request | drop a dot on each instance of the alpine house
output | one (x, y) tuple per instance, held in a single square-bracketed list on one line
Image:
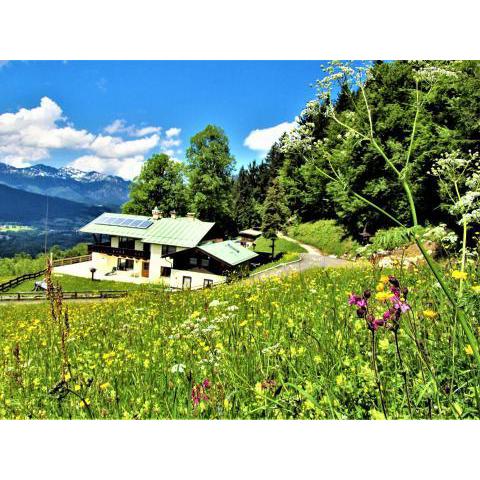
[(182, 252)]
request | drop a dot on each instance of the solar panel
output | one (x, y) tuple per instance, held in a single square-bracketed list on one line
[(122, 221)]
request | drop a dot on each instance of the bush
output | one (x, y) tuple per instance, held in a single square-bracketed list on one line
[(326, 235), (398, 237)]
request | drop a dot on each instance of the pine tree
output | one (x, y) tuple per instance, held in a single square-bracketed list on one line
[(275, 212)]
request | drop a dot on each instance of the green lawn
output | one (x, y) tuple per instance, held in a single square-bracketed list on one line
[(78, 284), (281, 246)]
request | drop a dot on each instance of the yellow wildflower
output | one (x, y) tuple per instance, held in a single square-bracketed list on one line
[(380, 287), (104, 386), (469, 350), (317, 359), (76, 388), (429, 313), (383, 344), (476, 288), (458, 275), (383, 296), (340, 379), (384, 278)]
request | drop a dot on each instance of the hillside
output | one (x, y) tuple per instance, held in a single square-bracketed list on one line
[(29, 208), (289, 347), (86, 187)]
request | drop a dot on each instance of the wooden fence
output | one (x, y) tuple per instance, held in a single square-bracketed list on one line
[(29, 276), (22, 278), (87, 295)]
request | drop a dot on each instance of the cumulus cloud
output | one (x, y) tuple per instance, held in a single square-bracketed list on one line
[(173, 132), (127, 168), (30, 135), (262, 139), (120, 126)]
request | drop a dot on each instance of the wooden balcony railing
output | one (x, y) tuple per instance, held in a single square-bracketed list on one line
[(118, 252)]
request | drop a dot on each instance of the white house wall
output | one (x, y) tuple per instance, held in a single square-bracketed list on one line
[(156, 261), (176, 278)]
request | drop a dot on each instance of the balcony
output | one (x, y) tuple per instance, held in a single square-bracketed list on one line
[(118, 252)]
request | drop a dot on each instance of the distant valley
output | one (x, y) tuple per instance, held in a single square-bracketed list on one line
[(73, 197)]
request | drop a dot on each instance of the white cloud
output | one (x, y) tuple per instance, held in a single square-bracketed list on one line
[(115, 127), (173, 132), (120, 126), (262, 139), (112, 147), (30, 135), (128, 167)]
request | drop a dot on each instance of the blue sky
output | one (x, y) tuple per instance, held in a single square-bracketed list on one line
[(110, 116)]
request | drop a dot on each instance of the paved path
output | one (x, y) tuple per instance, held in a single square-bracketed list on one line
[(313, 258)]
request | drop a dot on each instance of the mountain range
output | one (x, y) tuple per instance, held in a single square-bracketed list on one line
[(29, 208), (91, 188)]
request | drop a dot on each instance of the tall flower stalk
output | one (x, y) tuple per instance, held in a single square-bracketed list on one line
[(342, 72)]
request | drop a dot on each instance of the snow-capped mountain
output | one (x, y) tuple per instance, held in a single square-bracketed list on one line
[(92, 188)]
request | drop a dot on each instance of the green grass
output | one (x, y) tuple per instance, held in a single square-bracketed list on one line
[(326, 235), (70, 283), (287, 347), (281, 246)]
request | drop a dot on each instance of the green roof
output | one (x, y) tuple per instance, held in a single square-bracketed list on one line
[(116, 230), (228, 251), (180, 232)]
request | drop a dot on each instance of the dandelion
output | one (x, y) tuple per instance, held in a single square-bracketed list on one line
[(104, 386), (476, 288), (430, 314), (469, 350), (458, 275)]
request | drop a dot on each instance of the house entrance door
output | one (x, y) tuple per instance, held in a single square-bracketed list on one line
[(145, 269), (187, 283)]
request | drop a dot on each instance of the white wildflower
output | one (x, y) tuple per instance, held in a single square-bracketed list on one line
[(178, 368)]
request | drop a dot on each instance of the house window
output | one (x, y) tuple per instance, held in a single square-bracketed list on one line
[(165, 271), (146, 248), (168, 249), (193, 261), (204, 262), (124, 264), (207, 283), (125, 242), (187, 283)]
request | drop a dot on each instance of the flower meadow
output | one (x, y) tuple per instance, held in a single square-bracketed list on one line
[(325, 344)]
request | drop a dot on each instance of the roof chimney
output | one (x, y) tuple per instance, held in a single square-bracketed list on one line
[(156, 214), (191, 215), (173, 214)]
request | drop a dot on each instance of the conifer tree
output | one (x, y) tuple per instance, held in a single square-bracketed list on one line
[(275, 212)]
